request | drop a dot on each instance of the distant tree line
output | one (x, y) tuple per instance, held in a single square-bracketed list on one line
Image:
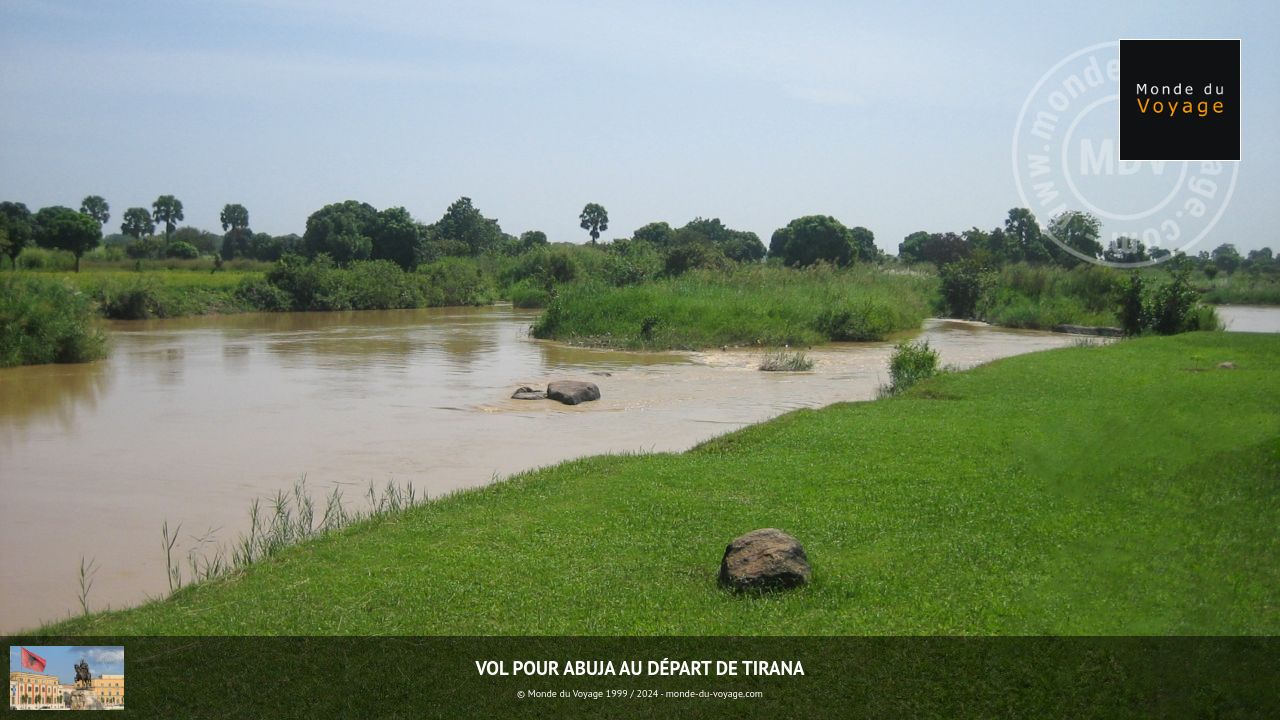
[(352, 231)]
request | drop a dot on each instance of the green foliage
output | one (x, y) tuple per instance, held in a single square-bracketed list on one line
[(138, 223), (531, 239), (813, 238), (911, 362), (1133, 316), (1174, 306), (133, 298), (747, 305), (692, 251), (857, 320), (16, 231), (147, 248), (397, 237), (938, 248), (341, 231), (65, 229), (44, 320), (259, 293), (457, 281), (594, 219), (657, 234), (1078, 231), (464, 225), (180, 249), (528, 293), (97, 208), (38, 258), (167, 209), (1043, 296), (963, 284)]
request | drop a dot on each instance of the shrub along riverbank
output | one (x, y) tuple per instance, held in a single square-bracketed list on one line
[(44, 321), (1126, 489), (753, 305)]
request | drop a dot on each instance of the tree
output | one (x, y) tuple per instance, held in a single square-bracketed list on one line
[(594, 219), (1261, 255), (937, 248), (97, 208), (1227, 258), (65, 229), (464, 223), (16, 231), (235, 223), (167, 209), (341, 231), (396, 237), (530, 239), (657, 234), (1023, 240), (1078, 231), (137, 222), (738, 245), (809, 239), (864, 244)]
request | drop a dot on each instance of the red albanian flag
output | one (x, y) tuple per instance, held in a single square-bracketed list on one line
[(32, 660)]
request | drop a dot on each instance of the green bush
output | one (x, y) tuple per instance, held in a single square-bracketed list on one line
[(963, 284), (38, 258), (179, 249), (257, 293), (135, 298), (911, 363), (46, 321), (381, 284), (456, 281), (856, 322), (1174, 306), (310, 284), (529, 294)]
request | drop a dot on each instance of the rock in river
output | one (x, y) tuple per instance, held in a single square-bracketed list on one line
[(528, 393), (766, 559), (572, 392)]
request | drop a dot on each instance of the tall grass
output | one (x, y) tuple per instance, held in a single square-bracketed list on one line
[(44, 320), (749, 305), (786, 361), (1244, 289), (281, 521), (1043, 296)]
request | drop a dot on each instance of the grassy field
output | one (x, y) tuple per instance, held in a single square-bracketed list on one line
[(761, 306), (1126, 489)]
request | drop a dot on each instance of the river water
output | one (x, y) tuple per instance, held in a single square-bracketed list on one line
[(190, 419)]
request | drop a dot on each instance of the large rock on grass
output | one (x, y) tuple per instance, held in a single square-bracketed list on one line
[(766, 559), (572, 392)]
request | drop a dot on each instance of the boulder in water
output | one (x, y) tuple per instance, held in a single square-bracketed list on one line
[(572, 392)]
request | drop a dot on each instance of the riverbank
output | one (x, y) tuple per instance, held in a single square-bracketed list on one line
[(1135, 498)]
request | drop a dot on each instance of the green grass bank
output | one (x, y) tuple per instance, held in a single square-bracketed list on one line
[(1126, 489), (750, 305)]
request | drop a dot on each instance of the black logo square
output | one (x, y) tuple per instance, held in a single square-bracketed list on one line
[(1179, 100)]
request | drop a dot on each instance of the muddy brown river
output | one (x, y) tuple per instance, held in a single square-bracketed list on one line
[(190, 419)]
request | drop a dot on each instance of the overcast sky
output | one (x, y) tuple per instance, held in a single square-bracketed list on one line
[(892, 116)]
